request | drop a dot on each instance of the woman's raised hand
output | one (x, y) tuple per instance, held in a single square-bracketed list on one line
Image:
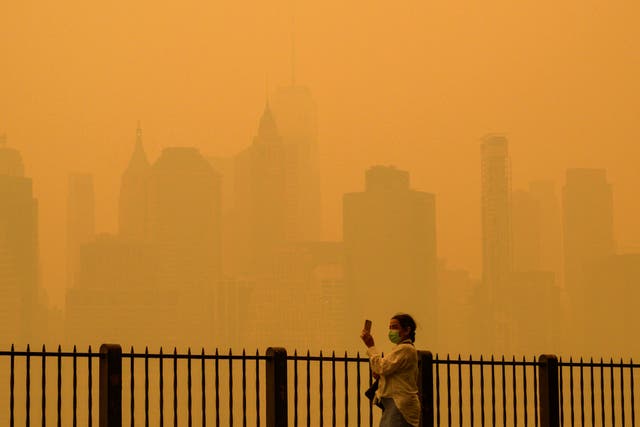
[(367, 339)]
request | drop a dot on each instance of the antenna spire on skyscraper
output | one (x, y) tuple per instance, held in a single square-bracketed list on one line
[(293, 44), (266, 91)]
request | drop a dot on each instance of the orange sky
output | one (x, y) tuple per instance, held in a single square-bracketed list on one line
[(412, 83)]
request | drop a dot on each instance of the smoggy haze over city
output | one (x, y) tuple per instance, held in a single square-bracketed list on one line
[(413, 84)]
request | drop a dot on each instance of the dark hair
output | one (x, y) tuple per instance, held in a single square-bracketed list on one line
[(406, 321)]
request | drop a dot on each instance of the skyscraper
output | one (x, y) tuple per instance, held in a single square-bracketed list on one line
[(18, 245), (224, 166), (496, 238), (496, 215), (295, 112), (263, 201), (544, 193), (611, 295), (535, 276), (588, 240), (389, 235), (588, 222), (80, 219), (526, 228), (184, 225), (115, 294), (132, 209)]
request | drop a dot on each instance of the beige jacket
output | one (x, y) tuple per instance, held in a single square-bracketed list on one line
[(398, 372)]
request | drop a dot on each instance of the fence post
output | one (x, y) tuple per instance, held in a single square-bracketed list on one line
[(549, 391), (277, 404), (110, 385), (425, 368)]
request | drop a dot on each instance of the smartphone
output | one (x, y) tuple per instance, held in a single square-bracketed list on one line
[(367, 325)]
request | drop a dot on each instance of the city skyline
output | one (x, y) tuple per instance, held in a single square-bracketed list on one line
[(536, 206), (393, 85), (235, 188), (623, 243), (220, 194)]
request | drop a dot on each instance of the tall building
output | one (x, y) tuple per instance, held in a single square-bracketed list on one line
[(224, 167), (295, 112), (329, 290), (496, 238), (535, 276), (389, 233), (588, 222), (496, 215), (184, 232), (545, 196), (18, 247), (526, 231), (458, 327), (263, 201), (535, 326), (588, 236), (80, 219), (113, 298), (132, 209), (610, 299)]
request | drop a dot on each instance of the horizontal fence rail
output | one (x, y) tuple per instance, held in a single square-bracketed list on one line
[(172, 388)]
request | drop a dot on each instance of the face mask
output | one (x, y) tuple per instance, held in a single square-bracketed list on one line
[(394, 336)]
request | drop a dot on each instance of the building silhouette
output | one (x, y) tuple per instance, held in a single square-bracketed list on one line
[(588, 222), (224, 167), (526, 220), (264, 203), (295, 112), (184, 232), (18, 250), (535, 274), (496, 236), (329, 289), (588, 237), (276, 224), (496, 215), (457, 327), (303, 295), (389, 233), (114, 297), (80, 219), (536, 320), (132, 203), (550, 218), (610, 303)]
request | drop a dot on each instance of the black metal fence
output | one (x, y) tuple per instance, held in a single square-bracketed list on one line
[(115, 388), (487, 392), (598, 393), (29, 369)]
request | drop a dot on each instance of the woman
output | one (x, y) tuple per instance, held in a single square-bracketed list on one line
[(398, 373)]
